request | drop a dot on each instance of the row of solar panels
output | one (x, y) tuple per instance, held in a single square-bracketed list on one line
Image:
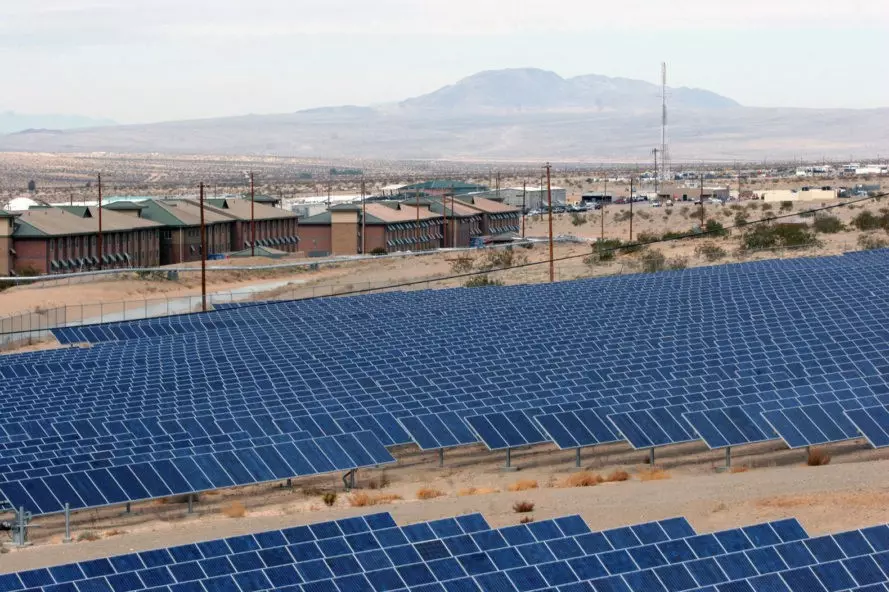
[(464, 554)]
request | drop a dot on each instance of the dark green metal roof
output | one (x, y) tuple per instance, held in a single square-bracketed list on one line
[(456, 186)]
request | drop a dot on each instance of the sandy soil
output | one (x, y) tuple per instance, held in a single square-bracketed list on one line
[(771, 483)]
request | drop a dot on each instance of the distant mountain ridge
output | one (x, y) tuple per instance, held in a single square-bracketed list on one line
[(12, 122), (530, 89), (507, 115)]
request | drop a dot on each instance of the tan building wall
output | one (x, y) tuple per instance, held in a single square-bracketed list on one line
[(778, 195), (344, 232), (6, 259)]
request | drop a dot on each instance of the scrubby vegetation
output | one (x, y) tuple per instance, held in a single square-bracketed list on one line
[(777, 236)]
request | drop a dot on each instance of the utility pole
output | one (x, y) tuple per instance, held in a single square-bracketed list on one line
[(252, 219), (702, 201), (363, 216), (549, 201), (99, 239), (203, 255), (454, 220), (498, 185), (524, 213), (417, 206), (602, 207), (739, 182), (328, 191), (631, 209)]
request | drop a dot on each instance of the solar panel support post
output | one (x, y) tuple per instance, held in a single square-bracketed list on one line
[(441, 457), (508, 466), (577, 458), (20, 530), (349, 480), (128, 509), (651, 457), (67, 538), (191, 503), (728, 458)]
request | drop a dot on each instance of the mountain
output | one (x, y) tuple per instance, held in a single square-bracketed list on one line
[(530, 89), (517, 115), (11, 122)]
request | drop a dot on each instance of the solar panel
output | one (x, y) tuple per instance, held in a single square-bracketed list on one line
[(872, 423), (576, 429), (654, 427), (811, 425), (730, 426), (436, 431), (185, 475), (499, 431)]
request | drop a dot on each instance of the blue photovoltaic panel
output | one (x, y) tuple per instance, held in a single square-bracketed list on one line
[(811, 425), (872, 423), (730, 426), (575, 429), (654, 427), (511, 429), (146, 480), (434, 431)]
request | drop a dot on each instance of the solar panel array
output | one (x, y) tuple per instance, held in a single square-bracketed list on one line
[(464, 554), (656, 359)]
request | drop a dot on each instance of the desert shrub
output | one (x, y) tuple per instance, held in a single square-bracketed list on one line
[(648, 237), (868, 221), (329, 498), (87, 535), (740, 220), (739, 469), (766, 207), (715, 229), (426, 493), (615, 476), (462, 264), (654, 475), (605, 250), (523, 507), (476, 491), (869, 242), (828, 225), (481, 281), (523, 485), (235, 509), (643, 215), (582, 479), (114, 532), (786, 206), (710, 252), (684, 211), (653, 261), (28, 271), (818, 457), (677, 263), (779, 235), (379, 483), (502, 259), (577, 219), (622, 216), (526, 520), (674, 235), (361, 499), (378, 251)]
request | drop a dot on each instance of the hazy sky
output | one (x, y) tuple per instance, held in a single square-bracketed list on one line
[(151, 60)]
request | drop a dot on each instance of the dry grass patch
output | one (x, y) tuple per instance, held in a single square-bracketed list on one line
[(380, 482), (426, 493), (523, 485), (739, 469), (654, 475), (523, 507), (616, 476), (818, 457), (361, 499), (477, 491), (114, 532), (87, 536), (234, 509), (329, 498), (582, 479), (526, 520)]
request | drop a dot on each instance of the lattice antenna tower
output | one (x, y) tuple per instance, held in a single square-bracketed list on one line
[(665, 154)]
